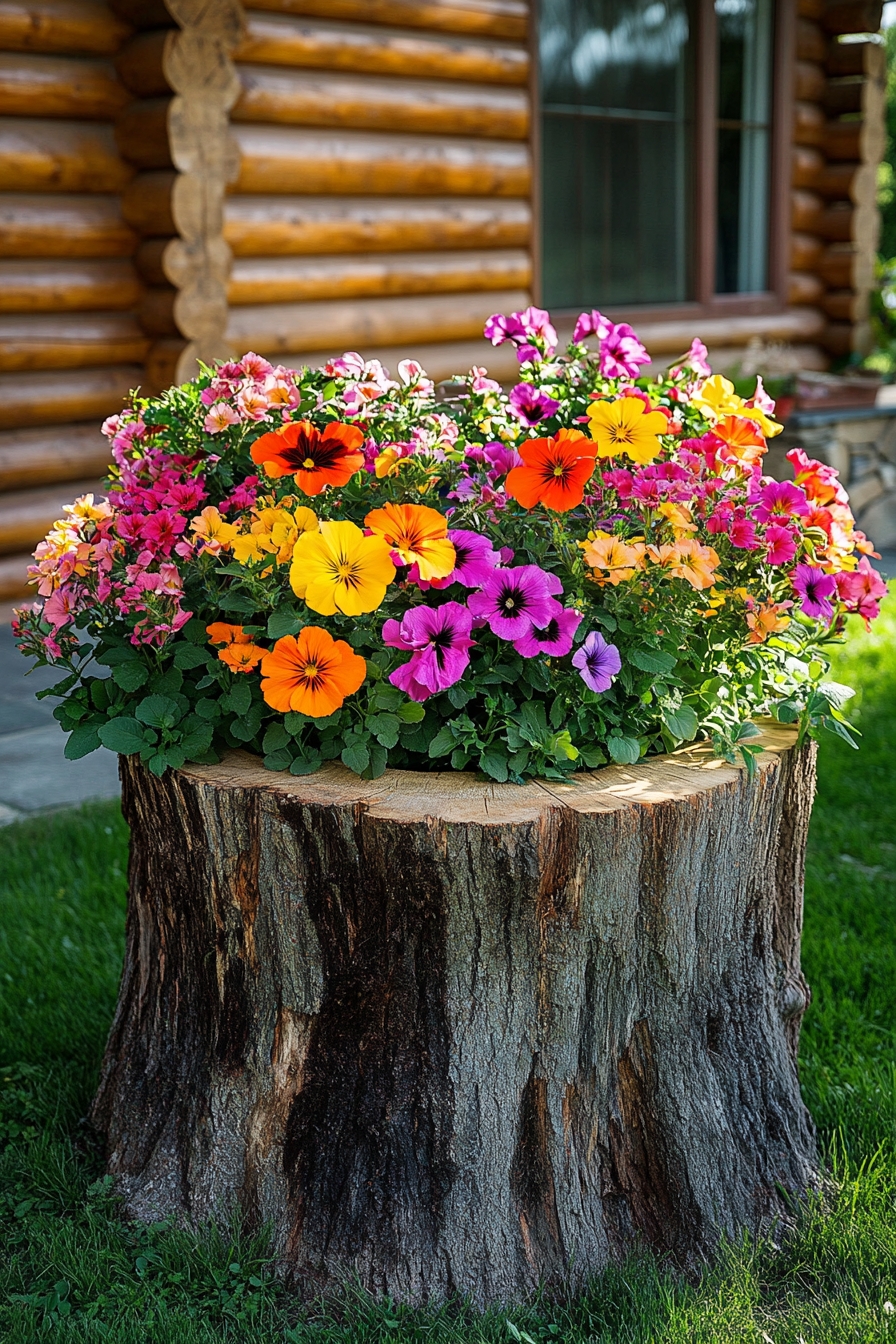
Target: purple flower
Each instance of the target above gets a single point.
(512, 601)
(815, 589)
(439, 638)
(598, 662)
(591, 324)
(530, 331)
(696, 359)
(501, 458)
(779, 500)
(554, 638)
(474, 561)
(530, 405)
(620, 352)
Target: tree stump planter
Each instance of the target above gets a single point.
(457, 1037)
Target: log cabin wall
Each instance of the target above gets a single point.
(839, 140)
(70, 346)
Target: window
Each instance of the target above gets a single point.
(656, 150)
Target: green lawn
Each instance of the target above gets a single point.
(70, 1270)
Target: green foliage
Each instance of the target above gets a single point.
(71, 1270)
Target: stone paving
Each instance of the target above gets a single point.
(34, 774)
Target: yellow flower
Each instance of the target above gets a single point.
(769, 427)
(339, 569)
(626, 426)
(679, 518)
(85, 510)
(211, 531)
(718, 398)
(274, 532)
(386, 462)
(618, 559)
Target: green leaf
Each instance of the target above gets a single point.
(131, 676)
(787, 711)
(159, 763)
(190, 655)
(208, 709)
(651, 660)
(459, 695)
(494, 763)
(284, 621)
(239, 604)
(377, 764)
(197, 742)
(385, 728)
(834, 693)
(681, 722)
(305, 765)
(239, 698)
(195, 631)
(275, 739)
(83, 740)
(411, 712)
(294, 722)
(356, 756)
(593, 757)
(443, 743)
(159, 711)
(278, 760)
(123, 735)
(118, 654)
(624, 750)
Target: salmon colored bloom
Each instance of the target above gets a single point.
(626, 426)
(418, 534)
(743, 438)
(211, 532)
(339, 569)
(219, 632)
(680, 519)
(695, 564)
(554, 471)
(311, 673)
(240, 657)
(766, 618)
(314, 459)
(618, 559)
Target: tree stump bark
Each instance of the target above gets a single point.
(450, 1036)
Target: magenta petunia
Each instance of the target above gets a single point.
(530, 404)
(780, 500)
(512, 601)
(598, 662)
(555, 638)
(781, 544)
(621, 352)
(439, 641)
(815, 589)
(474, 560)
(861, 590)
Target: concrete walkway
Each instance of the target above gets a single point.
(34, 774)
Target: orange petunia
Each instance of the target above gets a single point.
(219, 632)
(766, 618)
(619, 559)
(695, 564)
(311, 673)
(418, 534)
(743, 438)
(554, 472)
(240, 657)
(315, 459)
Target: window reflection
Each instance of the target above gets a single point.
(616, 161)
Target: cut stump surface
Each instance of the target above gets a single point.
(448, 1036)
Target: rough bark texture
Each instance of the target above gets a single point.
(457, 1037)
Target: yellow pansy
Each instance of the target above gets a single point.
(718, 398)
(626, 426)
(211, 532)
(339, 569)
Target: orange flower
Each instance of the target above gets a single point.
(694, 563)
(315, 460)
(766, 619)
(241, 657)
(743, 438)
(618, 559)
(212, 533)
(419, 535)
(219, 632)
(311, 673)
(554, 473)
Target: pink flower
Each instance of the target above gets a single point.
(252, 403)
(241, 497)
(781, 545)
(512, 601)
(414, 377)
(760, 398)
(439, 638)
(815, 588)
(62, 607)
(780, 499)
(220, 417)
(162, 529)
(555, 638)
(620, 352)
(743, 531)
(531, 405)
(861, 591)
(480, 381)
(184, 495)
(254, 367)
(530, 331)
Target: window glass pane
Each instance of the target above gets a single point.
(616, 150)
(744, 114)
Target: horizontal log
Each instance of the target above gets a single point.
(49, 286)
(288, 279)
(146, 203)
(69, 341)
(857, 58)
(852, 16)
(155, 312)
(855, 141)
(148, 260)
(63, 226)
(483, 18)
(278, 328)
(274, 159)
(278, 225)
(139, 63)
(58, 397)
(14, 585)
(845, 305)
(811, 41)
(59, 86)
(808, 124)
(809, 81)
(76, 27)
(440, 359)
(805, 211)
(26, 516)
(804, 288)
(847, 223)
(805, 252)
(367, 102)
(838, 338)
(161, 364)
(844, 95)
(141, 133)
(31, 457)
(59, 156)
(143, 13)
(844, 266)
(273, 39)
(806, 164)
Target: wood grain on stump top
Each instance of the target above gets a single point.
(450, 1036)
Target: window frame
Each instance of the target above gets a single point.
(706, 303)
